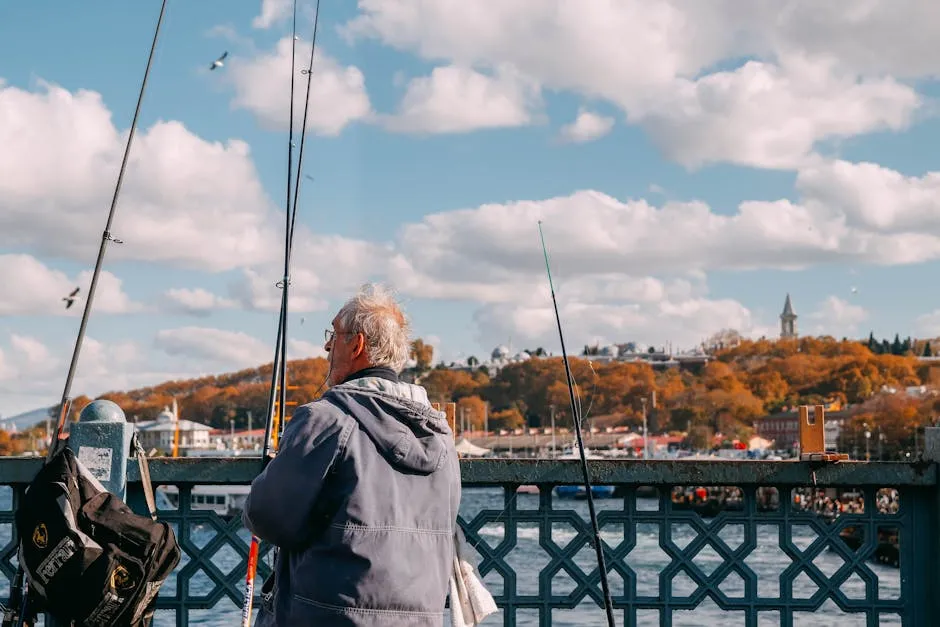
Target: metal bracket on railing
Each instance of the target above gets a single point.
(813, 439)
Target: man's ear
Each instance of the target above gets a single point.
(360, 347)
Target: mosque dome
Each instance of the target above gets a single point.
(500, 352)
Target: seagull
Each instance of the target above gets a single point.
(855, 290)
(70, 299)
(219, 62)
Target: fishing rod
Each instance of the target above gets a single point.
(308, 71)
(279, 367)
(15, 613)
(576, 417)
(280, 343)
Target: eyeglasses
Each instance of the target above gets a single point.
(329, 334)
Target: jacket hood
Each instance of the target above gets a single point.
(397, 416)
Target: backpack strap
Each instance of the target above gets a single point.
(144, 476)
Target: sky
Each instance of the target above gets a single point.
(691, 163)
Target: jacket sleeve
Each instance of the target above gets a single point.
(283, 496)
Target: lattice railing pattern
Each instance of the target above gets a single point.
(682, 558)
(667, 565)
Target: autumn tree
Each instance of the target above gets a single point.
(445, 385)
(423, 354)
(897, 417)
(471, 411)
(507, 419)
(9, 445)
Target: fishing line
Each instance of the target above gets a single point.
(17, 606)
(280, 342)
(279, 366)
(280, 358)
(105, 238)
(602, 567)
(288, 231)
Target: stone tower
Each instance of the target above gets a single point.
(787, 320)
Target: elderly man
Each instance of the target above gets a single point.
(362, 496)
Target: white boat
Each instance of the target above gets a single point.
(225, 500)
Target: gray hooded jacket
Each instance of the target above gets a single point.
(362, 501)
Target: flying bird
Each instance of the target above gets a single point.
(70, 299)
(219, 62)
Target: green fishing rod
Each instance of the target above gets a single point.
(576, 417)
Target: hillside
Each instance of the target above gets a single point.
(742, 383)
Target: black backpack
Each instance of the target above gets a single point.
(88, 558)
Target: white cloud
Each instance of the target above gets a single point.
(656, 60)
(771, 116)
(58, 164)
(588, 126)
(873, 197)
(272, 11)
(34, 374)
(457, 99)
(846, 212)
(338, 94)
(322, 266)
(608, 49)
(683, 322)
(196, 302)
(302, 349)
(838, 317)
(205, 345)
(29, 287)
(875, 36)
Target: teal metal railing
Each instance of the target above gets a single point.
(771, 548)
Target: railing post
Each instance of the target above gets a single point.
(931, 454)
(101, 439)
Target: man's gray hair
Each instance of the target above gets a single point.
(375, 313)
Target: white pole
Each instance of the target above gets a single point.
(553, 430)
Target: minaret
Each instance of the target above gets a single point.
(787, 321)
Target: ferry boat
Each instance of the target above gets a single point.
(227, 501)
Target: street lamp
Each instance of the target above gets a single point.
(867, 441)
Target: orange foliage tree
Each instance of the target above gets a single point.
(744, 380)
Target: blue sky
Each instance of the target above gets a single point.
(705, 177)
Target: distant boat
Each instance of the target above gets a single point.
(227, 501)
(579, 491)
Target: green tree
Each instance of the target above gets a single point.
(896, 347)
(927, 352)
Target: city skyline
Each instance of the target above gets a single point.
(686, 181)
